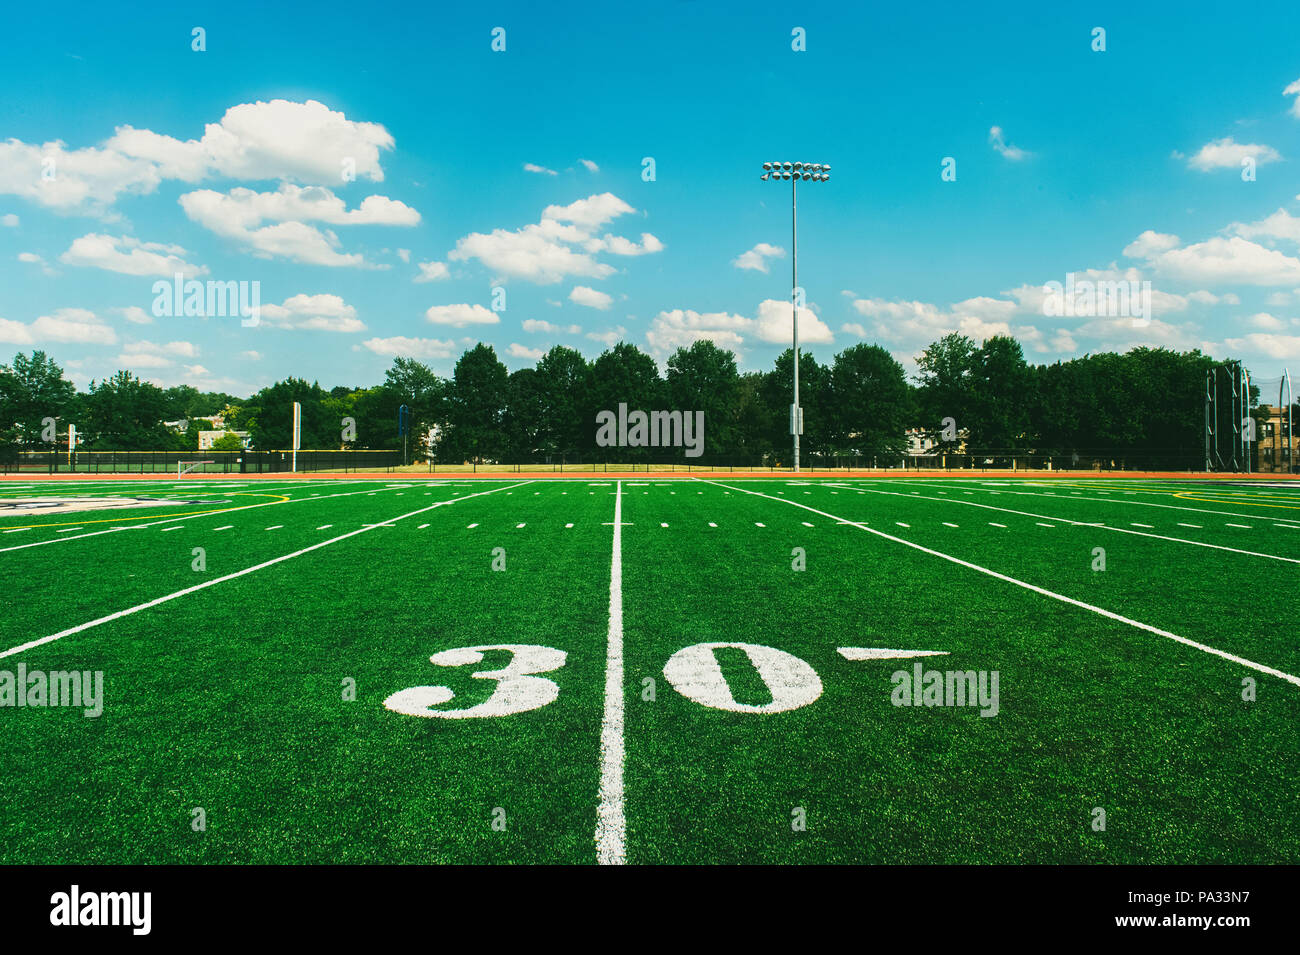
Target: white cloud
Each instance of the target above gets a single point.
(1265, 321)
(1150, 244)
(1225, 153)
(251, 355)
(562, 244)
(619, 245)
(1293, 89)
(129, 256)
(31, 258)
(1203, 297)
(775, 324)
(411, 347)
(65, 325)
(432, 272)
(534, 325)
(591, 166)
(135, 315)
(682, 327)
(610, 337)
(589, 213)
(521, 351)
(244, 209)
(146, 354)
(998, 141)
(1217, 260)
(581, 295)
(69, 181)
(1280, 347)
(1280, 225)
(458, 316)
(541, 170)
(239, 215)
(321, 313)
(914, 325)
(305, 142)
(404, 255)
(9, 220)
(533, 253)
(756, 258)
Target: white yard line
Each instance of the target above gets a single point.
(611, 823)
(217, 580)
(182, 517)
(1205, 648)
(1104, 527)
(1111, 500)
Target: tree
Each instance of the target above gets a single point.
(704, 378)
(32, 389)
(872, 401)
(754, 421)
(478, 401)
(947, 381)
(228, 442)
(123, 413)
(268, 417)
(563, 380)
(814, 397)
(525, 411)
(999, 419)
(622, 375)
(415, 385)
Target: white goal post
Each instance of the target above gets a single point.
(185, 467)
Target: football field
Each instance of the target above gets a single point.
(650, 670)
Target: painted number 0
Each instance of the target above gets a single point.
(517, 689)
(695, 674)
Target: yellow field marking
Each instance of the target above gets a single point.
(150, 517)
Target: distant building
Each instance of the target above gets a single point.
(208, 438)
(924, 443)
(1275, 448)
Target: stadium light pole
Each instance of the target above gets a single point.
(793, 172)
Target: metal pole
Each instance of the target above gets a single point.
(1286, 381)
(1247, 421)
(794, 307)
(1208, 429)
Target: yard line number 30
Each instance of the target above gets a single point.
(693, 671)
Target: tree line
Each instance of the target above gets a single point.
(978, 400)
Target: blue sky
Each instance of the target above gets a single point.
(228, 164)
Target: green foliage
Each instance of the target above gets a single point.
(268, 417)
(228, 442)
(1142, 407)
(32, 388)
(123, 413)
(477, 408)
(873, 403)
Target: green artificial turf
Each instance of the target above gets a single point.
(232, 697)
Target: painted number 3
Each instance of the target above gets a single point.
(693, 671)
(517, 691)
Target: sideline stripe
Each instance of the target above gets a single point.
(212, 583)
(611, 824)
(1289, 677)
